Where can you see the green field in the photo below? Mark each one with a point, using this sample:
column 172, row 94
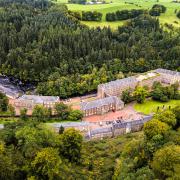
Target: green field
column 169, row 17
column 150, row 106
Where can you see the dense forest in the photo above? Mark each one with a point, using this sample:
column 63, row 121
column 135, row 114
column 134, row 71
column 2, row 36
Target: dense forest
column 44, row 44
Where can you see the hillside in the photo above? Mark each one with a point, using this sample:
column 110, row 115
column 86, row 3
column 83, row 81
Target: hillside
column 168, row 17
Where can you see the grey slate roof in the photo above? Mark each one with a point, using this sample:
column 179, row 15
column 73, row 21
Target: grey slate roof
column 40, row 99
column 100, row 102
column 119, row 82
column 165, row 71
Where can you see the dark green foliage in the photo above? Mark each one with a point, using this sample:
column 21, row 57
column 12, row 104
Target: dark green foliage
column 127, row 96
column 176, row 111
column 178, row 14
column 3, row 102
column 111, row 17
column 51, row 46
column 164, row 94
column 157, row 9
column 42, row 4
column 61, row 130
column 161, row 8
column 154, row 12
column 71, row 145
column 75, row 115
column 91, row 16
column 23, row 114
column 123, row 15
column 41, row 113
column 62, row 111
column 75, row 84
column 77, row 1
column 75, row 14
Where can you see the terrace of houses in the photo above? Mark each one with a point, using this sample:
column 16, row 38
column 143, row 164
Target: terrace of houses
column 101, row 106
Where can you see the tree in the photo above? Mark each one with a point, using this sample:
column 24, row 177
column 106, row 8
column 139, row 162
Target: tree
column 31, row 138
column 127, row 96
column 11, row 110
column 47, row 163
column 23, row 114
column 71, row 145
column 166, row 162
column 176, row 111
column 167, row 117
column 178, row 14
column 3, row 102
column 61, row 130
column 7, row 168
column 132, row 157
column 75, row 115
column 164, row 94
column 151, row 145
column 62, row 111
column 41, row 113
column 155, row 127
column 140, row 94
column 144, row 173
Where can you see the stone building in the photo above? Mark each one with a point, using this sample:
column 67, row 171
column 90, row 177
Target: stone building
column 29, row 101
column 101, row 106
column 115, row 88
column 148, row 79
column 168, row 76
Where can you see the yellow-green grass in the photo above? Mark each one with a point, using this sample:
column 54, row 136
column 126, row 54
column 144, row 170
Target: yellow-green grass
column 150, row 106
column 168, row 17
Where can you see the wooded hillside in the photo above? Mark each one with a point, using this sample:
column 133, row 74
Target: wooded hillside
column 46, row 44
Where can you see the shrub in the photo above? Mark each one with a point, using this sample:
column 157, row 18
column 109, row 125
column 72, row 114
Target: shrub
column 155, row 127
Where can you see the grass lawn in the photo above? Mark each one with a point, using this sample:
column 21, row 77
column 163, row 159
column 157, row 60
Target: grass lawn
column 169, row 17
column 150, row 106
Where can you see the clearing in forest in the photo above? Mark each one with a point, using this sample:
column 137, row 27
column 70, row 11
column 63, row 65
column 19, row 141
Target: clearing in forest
column 112, row 6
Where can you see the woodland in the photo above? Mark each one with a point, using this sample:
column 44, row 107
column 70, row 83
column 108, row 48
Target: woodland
column 44, row 44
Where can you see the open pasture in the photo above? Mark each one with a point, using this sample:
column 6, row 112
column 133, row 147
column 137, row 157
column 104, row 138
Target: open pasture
column 168, row 17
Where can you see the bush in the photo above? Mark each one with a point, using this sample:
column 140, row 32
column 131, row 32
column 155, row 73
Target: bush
column 75, row 115
column 161, row 8
column 127, row 96
column 155, row 127
column 157, row 9
column 110, row 17
column 41, row 113
column 154, row 12
column 164, row 94
column 91, row 16
column 178, row 14
column 123, row 15
column 167, row 117
column 3, row 102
